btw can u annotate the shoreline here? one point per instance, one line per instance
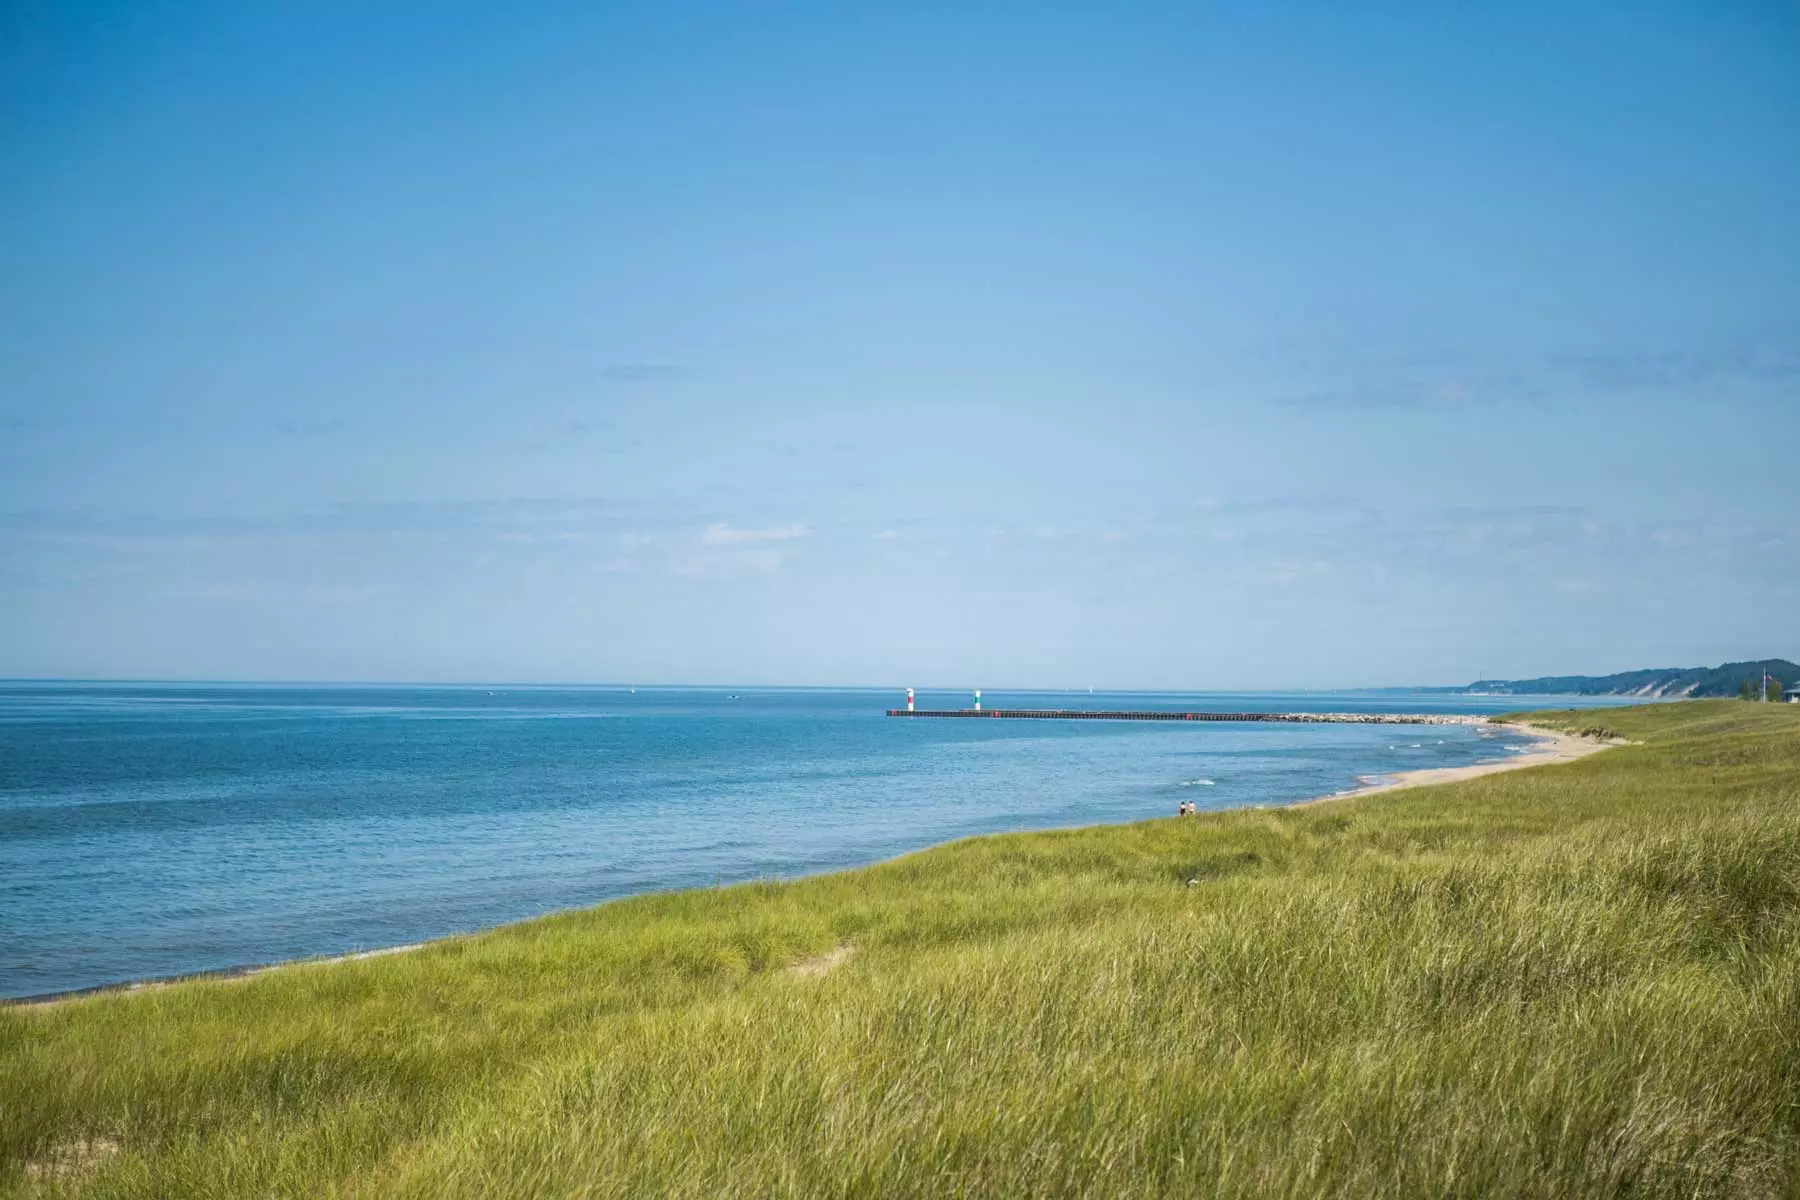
(151, 983)
(1553, 746)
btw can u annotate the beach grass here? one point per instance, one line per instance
(1581, 979)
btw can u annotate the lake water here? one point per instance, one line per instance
(158, 830)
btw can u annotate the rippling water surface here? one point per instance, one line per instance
(157, 830)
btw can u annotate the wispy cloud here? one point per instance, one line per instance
(581, 427)
(1763, 362)
(720, 534)
(1460, 392)
(1763, 359)
(275, 593)
(512, 519)
(541, 537)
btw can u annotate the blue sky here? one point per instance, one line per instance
(1171, 346)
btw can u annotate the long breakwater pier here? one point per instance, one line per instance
(1157, 714)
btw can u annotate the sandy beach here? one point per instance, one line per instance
(1552, 746)
(222, 975)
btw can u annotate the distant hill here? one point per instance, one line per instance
(1723, 680)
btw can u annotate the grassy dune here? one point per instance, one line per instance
(1578, 979)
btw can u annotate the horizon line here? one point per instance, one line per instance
(8, 680)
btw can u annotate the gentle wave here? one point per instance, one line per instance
(159, 830)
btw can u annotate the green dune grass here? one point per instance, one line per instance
(1576, 979)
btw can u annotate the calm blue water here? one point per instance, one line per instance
(156, 830)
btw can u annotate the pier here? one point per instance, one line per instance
(1153, 714)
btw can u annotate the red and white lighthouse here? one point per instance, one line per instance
(909, 700)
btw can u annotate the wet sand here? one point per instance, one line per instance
(1552, 746)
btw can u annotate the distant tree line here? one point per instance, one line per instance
(1743, 679)
(1771, 691)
